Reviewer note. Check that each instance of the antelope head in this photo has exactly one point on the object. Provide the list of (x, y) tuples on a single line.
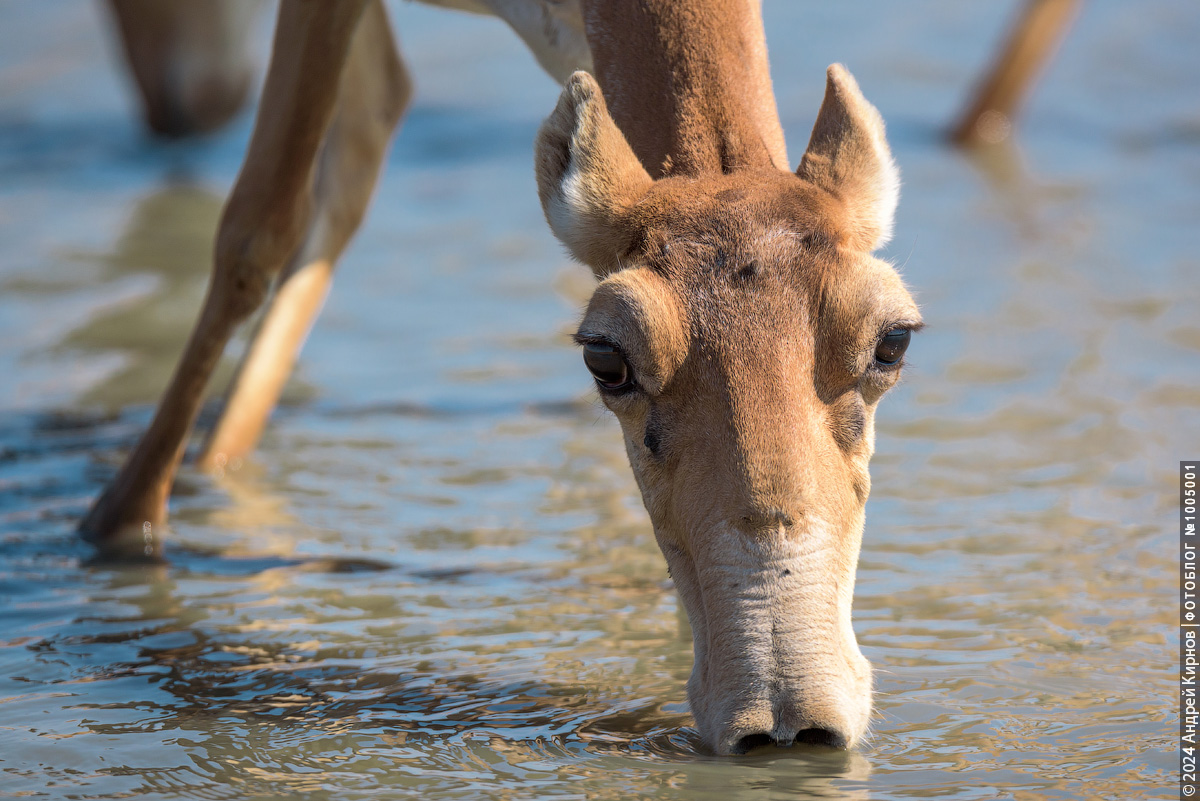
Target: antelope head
[(742, 333)]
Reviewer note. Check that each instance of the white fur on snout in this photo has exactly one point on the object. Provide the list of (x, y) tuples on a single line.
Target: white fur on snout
[(775, 650)]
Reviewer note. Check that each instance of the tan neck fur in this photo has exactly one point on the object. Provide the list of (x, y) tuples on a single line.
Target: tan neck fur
[(687, 83)]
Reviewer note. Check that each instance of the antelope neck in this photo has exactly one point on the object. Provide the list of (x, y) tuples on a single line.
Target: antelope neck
[(687, 83)]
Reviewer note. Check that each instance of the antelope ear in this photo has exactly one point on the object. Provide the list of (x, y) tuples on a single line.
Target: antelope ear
[(848, 156), (588, 176)]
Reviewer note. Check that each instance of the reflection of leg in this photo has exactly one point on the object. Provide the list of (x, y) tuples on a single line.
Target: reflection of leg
[(190, 60), (256, 518), (374, 93), (1031, 42), (261, 227)]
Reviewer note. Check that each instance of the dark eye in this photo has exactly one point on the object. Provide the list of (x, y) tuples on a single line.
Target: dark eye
[(607, 365), (891, 347)]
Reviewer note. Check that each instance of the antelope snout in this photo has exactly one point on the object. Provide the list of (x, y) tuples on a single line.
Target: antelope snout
[(776, 660), (763, 723), (780, 691)]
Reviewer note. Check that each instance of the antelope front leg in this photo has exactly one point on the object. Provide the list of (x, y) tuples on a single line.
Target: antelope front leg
[(190, 61), (374, 93), (1038, 31), (260, 229)]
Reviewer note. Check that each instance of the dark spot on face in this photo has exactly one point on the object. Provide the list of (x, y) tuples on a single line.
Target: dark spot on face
[(786, 573), (730, 195), (653, 437), (748, 270)]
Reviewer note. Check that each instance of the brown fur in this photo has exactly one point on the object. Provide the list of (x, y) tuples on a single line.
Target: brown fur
[(701, 67)]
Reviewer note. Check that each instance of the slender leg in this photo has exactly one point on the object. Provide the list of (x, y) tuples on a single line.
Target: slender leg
[(190, 59), (261, 227), (375, 91), (1032, 41)]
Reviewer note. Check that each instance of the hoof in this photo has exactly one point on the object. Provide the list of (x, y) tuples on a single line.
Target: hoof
[(120, 533)]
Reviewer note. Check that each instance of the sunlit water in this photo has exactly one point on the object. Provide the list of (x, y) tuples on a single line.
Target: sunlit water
[(435, 577)]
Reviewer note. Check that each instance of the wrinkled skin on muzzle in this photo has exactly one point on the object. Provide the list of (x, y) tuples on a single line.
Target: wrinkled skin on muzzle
[(775, 655), (742, 335)]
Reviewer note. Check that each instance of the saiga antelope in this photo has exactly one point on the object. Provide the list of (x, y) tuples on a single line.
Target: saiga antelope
[(741, 331)]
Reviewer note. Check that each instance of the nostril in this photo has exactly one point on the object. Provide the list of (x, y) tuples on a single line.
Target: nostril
[(752, 741), (769, 519), (810, 736), (821, 737)]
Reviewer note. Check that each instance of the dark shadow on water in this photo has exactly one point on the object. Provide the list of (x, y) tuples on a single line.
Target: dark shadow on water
[(191, 561)]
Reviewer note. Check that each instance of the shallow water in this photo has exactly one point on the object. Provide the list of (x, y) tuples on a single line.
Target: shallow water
[(435, 577)]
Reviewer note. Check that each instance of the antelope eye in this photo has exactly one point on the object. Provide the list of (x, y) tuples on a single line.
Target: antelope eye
[(892, 345), (607, 365)]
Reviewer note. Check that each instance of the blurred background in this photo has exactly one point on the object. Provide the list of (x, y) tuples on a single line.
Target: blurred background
[(435, 575)]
